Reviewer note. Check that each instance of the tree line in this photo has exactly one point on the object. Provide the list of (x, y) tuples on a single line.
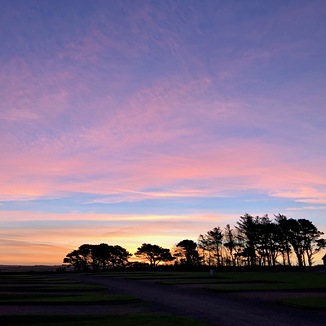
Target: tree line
[(253, 241)]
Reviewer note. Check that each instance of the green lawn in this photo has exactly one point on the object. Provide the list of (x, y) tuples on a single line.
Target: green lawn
[(54, 298), (254, 280), (28, 279), (127, 320), (234, 282), (25, 289), (310, 303), (237, 281), (270, 282), (49, 290), (54, 289)]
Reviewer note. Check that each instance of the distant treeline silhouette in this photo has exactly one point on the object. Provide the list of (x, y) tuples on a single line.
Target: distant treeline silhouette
[(254, 241)]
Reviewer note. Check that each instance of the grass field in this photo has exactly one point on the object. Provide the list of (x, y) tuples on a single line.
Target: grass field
[(23, 289), (50, 290), (137, 320), (311, 303), (297, 280), (89, 298), (235, 282)]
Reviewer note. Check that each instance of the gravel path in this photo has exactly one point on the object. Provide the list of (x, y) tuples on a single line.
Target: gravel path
[(211, 308)]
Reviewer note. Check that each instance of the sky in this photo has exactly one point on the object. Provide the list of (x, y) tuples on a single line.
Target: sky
[(127, 122)]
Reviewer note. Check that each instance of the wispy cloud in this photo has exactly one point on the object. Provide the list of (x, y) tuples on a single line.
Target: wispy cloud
[(307, 208)]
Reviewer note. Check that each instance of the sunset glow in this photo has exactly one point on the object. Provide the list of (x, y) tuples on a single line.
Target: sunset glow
[(154, 121)]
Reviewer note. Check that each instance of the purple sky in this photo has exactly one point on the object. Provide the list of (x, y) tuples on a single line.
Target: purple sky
[(154, 121)]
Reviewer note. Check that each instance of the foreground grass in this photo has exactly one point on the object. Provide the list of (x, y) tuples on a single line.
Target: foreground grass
[(127, 320), (54, 289), (51, 290), (247, 280), (233, 282), (159, 275), (310, 303), (26, 289), (34, 287), (89, 298), (31, 279), (237, 281), (271, 282)]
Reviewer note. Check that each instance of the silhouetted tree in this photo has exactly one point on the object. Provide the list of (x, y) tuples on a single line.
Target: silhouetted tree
[(230, 243), (300, 235), (310, 239), (247, 236), (254, 241), (105, 256), (80, 259), (100, 256), (285, 235), (203, 243), (97, 257), (212, 243), (154, 254), (73, 259), (267, 243), (296, 239), (188, 249), (119, 256), (85, 254)]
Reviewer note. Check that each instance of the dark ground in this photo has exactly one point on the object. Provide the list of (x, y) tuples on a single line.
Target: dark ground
[(211, 308)]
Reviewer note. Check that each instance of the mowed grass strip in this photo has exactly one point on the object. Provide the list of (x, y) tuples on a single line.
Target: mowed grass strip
[(308, 303), (127, 320), (254, 280), (258, 287), (272, 282), (89, 298), (61, 292), (49, 288), (38, 283), (27, 279)]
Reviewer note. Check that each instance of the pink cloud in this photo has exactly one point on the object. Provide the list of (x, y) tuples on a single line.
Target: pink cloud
[(241, 165), (307, 208), (157, 137)]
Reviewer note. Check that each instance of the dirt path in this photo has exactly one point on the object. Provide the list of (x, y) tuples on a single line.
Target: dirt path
[(211, 308)]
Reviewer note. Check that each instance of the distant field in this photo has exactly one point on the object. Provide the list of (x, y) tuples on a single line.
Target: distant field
[(25, 269)]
